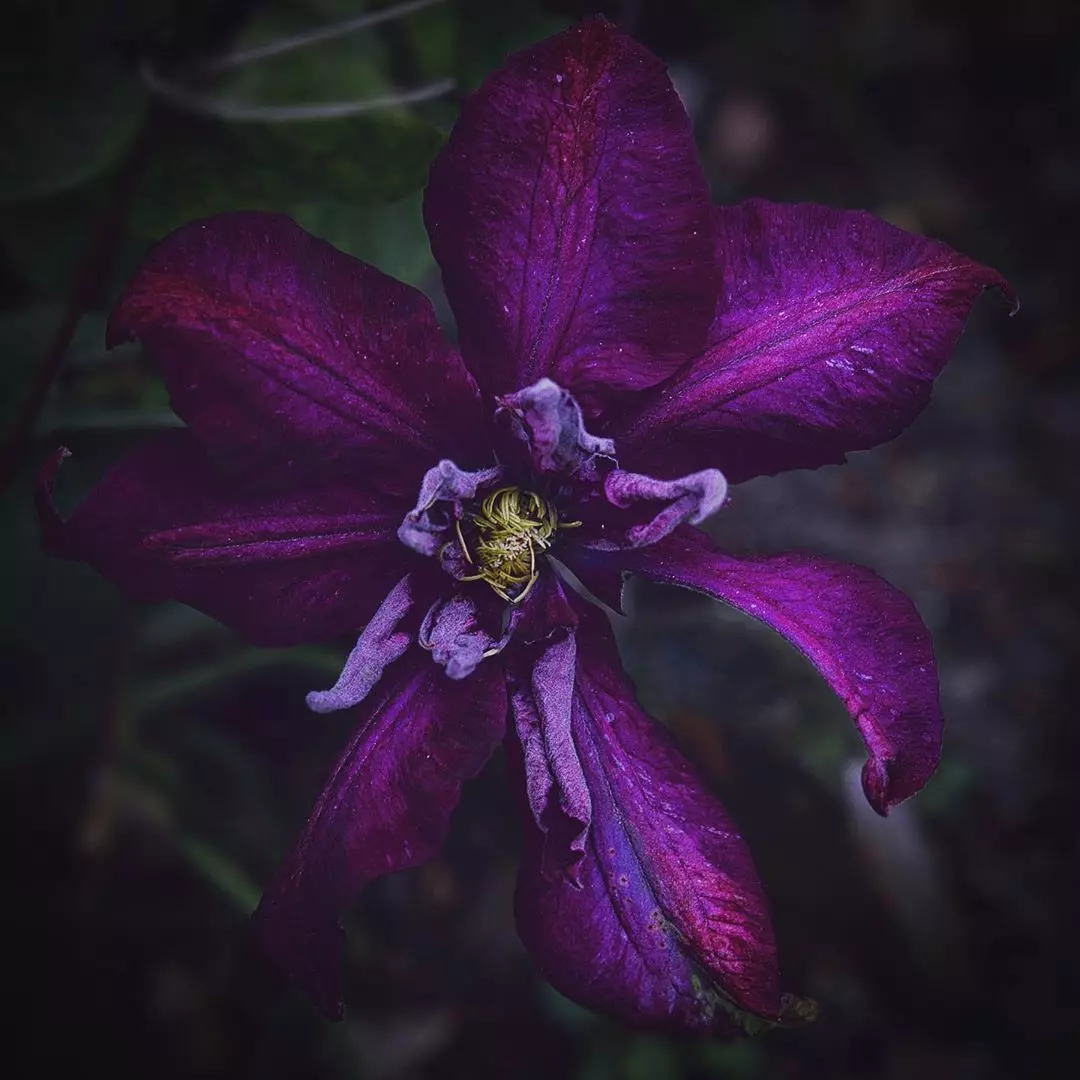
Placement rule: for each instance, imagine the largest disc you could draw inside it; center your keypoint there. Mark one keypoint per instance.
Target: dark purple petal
(379, 645)
(595, 573)
(668, 926)
(864, 636)
(387, 806)
(570, 217)
(554, 428)
(830, 330)
(280, 568)
(277, 348)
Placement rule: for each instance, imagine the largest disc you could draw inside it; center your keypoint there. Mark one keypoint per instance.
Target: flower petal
(668, 927)
(276, 346)
(462, 630)
(552, 424)
(278, 567)
(427, 524)
(864, 636)
(690, 498)
(540, 679)
(380, 643)
(387, 806)
(830, 330)
(570, 216)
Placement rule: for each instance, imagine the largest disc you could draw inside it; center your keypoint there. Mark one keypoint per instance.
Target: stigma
(507, 533)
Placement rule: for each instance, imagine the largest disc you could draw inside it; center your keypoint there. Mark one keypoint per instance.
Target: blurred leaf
(220, 871)
(63, 128)
(492, 29)
(168, 692)
(211, 167)
(25, 338)
(58, 419)
(391, 237)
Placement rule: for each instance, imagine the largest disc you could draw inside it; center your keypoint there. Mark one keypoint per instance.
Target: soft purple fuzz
(627, 351)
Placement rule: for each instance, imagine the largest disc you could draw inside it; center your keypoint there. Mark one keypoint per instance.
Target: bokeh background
(156, 767)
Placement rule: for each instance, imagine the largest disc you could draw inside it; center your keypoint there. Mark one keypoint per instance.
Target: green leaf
(391, 237)
(25, 337)
(62, 128)
(211, 167)
(492, 29)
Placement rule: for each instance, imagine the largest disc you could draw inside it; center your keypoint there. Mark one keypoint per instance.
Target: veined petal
(387, 806)
(279, 567)
(668, 926)
(830, 330)
(570, 216)
(278, 348)
(864, 636)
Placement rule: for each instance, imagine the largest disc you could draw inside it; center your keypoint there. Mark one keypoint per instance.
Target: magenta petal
(571, 219)
(864, 636)
(668, 927)
(830, 330)
(280, 568)
(387, 806)
(275, 345)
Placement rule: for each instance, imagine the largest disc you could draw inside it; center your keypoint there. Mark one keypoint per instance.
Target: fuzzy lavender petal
(690, 498)
(461, 630)
(443, 492)
(380, 644)
(555, 430)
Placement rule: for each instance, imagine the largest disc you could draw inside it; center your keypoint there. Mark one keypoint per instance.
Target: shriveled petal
(552, 424)
(864, 636)
(443, 493)
(636, 510)
(540, 676)
(387, 806)
(380, 643)
(464, 629)
(281, 568)
(570, 216)
(669, 927)
(278, 348)
(830, 330)
(690, 498)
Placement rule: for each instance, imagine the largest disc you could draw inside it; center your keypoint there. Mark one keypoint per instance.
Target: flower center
(508, 530)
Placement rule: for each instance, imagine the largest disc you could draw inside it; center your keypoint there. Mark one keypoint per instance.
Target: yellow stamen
(511, 527)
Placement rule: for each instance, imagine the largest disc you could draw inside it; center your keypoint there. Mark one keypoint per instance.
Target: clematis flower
(626, 352)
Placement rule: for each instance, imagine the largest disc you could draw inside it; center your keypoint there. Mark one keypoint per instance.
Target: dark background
(156, 767)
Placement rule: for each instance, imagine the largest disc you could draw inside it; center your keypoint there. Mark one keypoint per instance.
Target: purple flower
(626, 351)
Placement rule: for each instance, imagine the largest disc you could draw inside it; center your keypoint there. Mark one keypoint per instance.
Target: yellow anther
(510, 527)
